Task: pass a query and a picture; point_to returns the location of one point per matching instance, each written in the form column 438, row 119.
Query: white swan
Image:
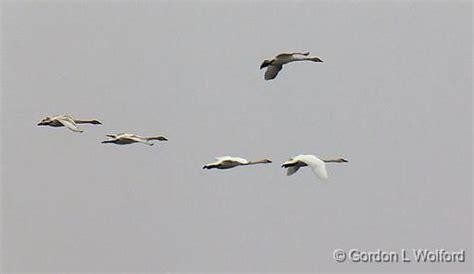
column 125, row 139
column 226, row 162
column 317, row 165
column 276, row 64
column 67, row 121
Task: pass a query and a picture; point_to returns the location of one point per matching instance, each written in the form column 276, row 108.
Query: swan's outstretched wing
column 272, row 71
column 69, row 123
column 292, row 165
column 292, row 170
column 232, row 159
column 317, row 165
column 287, row 54
column 222, row 158
column 320, row 171
column 138, row 139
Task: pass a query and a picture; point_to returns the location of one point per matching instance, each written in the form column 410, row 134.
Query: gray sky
column 393, row 96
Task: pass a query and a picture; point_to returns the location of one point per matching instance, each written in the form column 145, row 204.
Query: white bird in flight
column 67, row 121
column 276, row 64
column 317, row 165
column 226, row 162
column 125, row 139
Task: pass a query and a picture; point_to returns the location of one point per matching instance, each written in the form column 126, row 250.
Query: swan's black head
column 265, row 64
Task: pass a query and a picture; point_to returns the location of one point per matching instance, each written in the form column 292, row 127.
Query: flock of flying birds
column 274, row 66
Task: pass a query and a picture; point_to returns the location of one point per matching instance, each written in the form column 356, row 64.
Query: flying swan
column 276, row 64
column 317, row 165
column 66, row 121
column 226, row 162
column 125, row 139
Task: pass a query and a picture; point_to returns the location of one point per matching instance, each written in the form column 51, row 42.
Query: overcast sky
column 393, row 96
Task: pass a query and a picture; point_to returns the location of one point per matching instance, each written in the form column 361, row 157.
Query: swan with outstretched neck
column 227, row 162
column 67, row 121
column 318, row 166
column 126, row 138
column 276, row 64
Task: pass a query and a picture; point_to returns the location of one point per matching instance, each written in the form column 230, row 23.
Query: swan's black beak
column 344, row 160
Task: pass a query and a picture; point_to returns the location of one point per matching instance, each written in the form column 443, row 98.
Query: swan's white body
column 226, row 162
column 66, row 121
column 317, row 165
column 276, row 64
column 126, row 138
